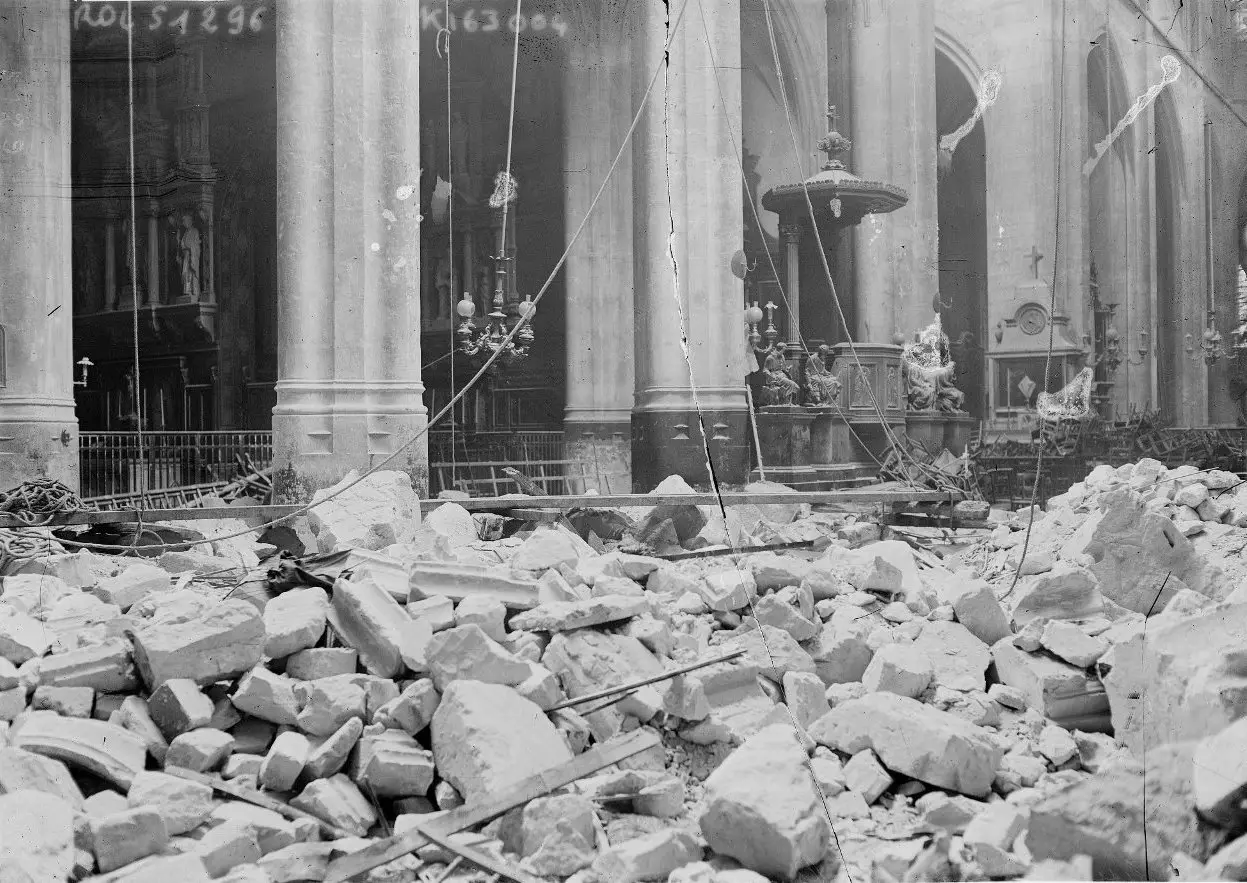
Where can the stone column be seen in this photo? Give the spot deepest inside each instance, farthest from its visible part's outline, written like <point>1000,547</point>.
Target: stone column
<point>349,391</point>
<point>690,333</point>
<point>38,429</point>
<point>894,141</point>
<point>598,111</point>
<point>790,236</point>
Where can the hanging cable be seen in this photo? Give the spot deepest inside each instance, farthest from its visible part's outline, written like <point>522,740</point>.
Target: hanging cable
<point>134,255</point>
<point>450,235</point>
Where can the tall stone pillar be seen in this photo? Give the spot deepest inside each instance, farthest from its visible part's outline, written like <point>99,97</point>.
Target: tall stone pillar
<point>598,418</point>
<point>894,141</point>
<point>689,308</point>
<point>348,391</point>
<point>38,429</point>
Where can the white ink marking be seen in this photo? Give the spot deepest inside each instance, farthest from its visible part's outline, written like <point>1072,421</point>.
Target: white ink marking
<point>989,91</point>
<point>1171,69</point>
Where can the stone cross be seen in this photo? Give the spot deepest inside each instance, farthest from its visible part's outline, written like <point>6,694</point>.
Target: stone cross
<point>1035,258</point>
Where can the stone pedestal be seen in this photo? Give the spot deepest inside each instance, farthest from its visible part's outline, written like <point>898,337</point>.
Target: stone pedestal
<point>872,393</point>
<point>927,428</point>
<point>957,431</point>
<point>832,449</point>
<point>38,429</point>
<point>348,392</point>
<point>784,434</point>
<point>689,344</point>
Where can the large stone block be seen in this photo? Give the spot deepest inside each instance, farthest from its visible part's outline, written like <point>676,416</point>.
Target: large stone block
<point>107,667</point>
<point>215,646</point>
<point>367,618</point>
<point>1131,824</point>
<point>762,808</point>
<point>916,740</point>
<point>36,837</point>
<point>294,621</point>
<point>487,737</point>
<point>588,661</point>
<point>374,513</point>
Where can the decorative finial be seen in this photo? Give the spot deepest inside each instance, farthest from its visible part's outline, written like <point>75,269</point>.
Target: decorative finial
<point>833,143</point>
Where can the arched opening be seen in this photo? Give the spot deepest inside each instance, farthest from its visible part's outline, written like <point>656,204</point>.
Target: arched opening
<point>1169,324</point>
<point>1106,224</point>
<point>962,194</point>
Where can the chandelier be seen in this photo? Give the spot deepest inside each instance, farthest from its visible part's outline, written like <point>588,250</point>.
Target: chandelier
<point>481,344</point>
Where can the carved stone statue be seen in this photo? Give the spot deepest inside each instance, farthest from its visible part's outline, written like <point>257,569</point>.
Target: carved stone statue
<point>821,386</point>
<point>932,389</point>
<point>189,257</point>
<point>778,388</point>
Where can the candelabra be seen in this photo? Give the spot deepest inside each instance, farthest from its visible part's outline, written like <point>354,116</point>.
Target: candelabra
<point>480,345</point>
<point>1144,349</point>
<point>753,315</point>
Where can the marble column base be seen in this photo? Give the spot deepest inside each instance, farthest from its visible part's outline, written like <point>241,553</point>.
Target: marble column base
<point>312,450</point>
<point>670,443</point>
<point>38,445</point>
<point>784,434</point>
<point>607,449</point>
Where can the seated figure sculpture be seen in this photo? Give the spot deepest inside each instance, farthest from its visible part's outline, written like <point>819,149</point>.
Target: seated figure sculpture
<point>778,388</point>
<point>822,388</point>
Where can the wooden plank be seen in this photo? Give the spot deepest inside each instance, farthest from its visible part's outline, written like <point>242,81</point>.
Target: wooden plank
<point>385,851</point>
<point>478,857</point>
<point>257,798</point>
<point>496,504</point>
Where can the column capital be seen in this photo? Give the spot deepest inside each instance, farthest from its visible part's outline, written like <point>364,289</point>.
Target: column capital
<point>791,232</point>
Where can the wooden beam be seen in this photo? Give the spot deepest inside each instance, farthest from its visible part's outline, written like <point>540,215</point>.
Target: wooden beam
<point>385,851</point>
<point>503,504</point>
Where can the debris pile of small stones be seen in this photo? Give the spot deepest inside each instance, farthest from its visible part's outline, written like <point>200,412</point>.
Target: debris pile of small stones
<point>889,715</point>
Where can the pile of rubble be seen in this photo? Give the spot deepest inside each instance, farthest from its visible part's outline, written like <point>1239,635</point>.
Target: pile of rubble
<point>452,704</point>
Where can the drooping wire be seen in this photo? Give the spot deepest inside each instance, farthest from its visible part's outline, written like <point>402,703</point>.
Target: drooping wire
<point>450,233</point>
<point>672,32</point>
<point>134,252</point>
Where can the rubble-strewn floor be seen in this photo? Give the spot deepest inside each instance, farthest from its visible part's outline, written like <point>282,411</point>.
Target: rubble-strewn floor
<point>893,716</point>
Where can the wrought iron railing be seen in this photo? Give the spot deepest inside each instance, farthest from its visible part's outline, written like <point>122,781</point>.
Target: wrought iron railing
<point>516,447</point>
<point>110,463</point>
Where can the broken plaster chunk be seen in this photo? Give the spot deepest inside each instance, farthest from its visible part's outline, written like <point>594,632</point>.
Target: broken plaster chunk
<point>727,589</point>
<point>466,652</point>
<point>391,764</point>
<point>914,739</point>
<point>481,610</point>
<point>65,701</point>
<point>568,615</point>
<point>330,755</point>
<point>1072,644</point>
<point>201,750</point>
<point>903,669</point>
<point>268,696</point>
<point>651,857</point>
<point>108,751</point>
<point>329,703</point>
<point>372,622</point>
<point>178,706</point>
<point>487,736</point>
<point>294,621</point>
<point>126,837</point>
<point>22,637</point>
<point>865,775</point>
<point>107,667</point>
<point>321,662</point>
<point>337,800</point>
<point>284,762</point>
<point>371,513</point>
<point>215,646</point>
<point>764,787</point>
<point>182,804</point>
